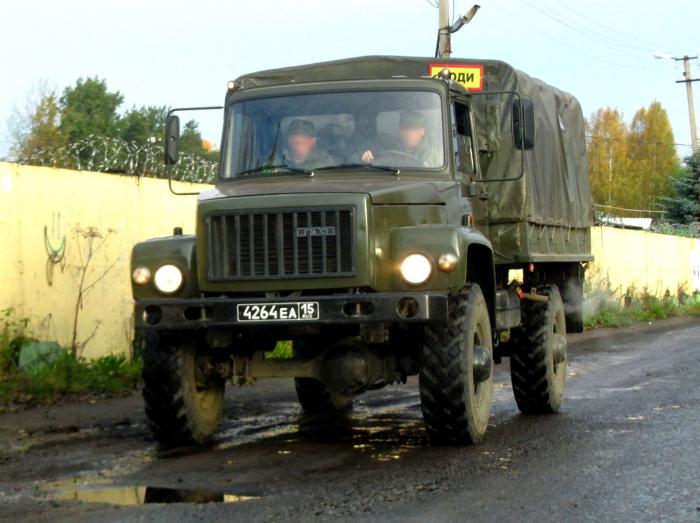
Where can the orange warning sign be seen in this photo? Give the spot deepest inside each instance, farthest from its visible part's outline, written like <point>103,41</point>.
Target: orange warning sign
<point>471,76</point>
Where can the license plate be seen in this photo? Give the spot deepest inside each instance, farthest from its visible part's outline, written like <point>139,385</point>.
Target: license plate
<point>291,311</point>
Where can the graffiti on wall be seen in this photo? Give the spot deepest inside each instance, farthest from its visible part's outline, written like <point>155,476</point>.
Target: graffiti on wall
<point>55,244</point>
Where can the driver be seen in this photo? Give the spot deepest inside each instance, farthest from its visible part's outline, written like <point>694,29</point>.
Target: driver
<point>302,147</point>
<point>412,141</point>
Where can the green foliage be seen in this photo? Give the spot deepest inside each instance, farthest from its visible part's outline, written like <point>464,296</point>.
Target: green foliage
<point>12,335</point>
<point>71,375</point>
<point>601,308</point>
<point>84,129</point>
<point>88,108</point>
<point>42,134</point>
<point>191,142</point>
<point>143,124</point>
<point>283,351</point>
<point>683,207</point>
<point>67,375</point>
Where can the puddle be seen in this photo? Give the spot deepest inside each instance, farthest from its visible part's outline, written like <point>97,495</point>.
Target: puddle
<point>102,492</point>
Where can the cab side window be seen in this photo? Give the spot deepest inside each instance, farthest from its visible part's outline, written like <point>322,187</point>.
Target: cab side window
<point>464,151</point>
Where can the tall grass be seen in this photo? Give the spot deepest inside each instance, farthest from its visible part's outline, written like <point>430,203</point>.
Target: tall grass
<point>66,375</point>
<point>603,307</point>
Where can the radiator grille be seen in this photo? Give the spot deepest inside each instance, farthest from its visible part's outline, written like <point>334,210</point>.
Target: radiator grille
<point>281,244</point>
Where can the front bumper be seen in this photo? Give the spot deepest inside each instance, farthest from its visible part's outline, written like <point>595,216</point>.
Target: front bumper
<point>202,313</point>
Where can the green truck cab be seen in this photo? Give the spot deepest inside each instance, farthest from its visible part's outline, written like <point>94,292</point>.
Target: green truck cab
<point>391,216</point>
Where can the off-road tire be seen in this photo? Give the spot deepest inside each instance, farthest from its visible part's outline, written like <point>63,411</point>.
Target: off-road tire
<point>455,407</point>
<point>538,383</point>
<point>178,412</point>
<point>314,397</point>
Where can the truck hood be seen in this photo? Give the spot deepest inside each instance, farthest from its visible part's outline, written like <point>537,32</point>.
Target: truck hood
<point>383,189</point>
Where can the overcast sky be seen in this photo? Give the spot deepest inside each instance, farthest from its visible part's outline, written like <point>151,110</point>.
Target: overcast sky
<point>182,53</point>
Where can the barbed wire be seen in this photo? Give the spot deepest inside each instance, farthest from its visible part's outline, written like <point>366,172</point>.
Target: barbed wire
<point>113,155</point>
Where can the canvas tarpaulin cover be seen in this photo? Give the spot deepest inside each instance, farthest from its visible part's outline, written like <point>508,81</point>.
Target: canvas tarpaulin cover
<point>555,189</point>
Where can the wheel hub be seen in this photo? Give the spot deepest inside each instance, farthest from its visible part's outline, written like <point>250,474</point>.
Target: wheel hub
<point>559,348</point>
<point>482,364</point>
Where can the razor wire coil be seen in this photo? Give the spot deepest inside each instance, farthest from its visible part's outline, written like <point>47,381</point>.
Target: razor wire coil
<point>117,156</point>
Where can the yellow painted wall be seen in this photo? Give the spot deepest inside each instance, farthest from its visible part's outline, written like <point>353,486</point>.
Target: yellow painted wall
<point>641,260</point>
<point>126,209</point>
<point>122,209</point>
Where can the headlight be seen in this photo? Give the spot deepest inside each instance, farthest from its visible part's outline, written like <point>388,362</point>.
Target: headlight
<point>141,275</point>
<point>168,279</point>
<point>416,268</point>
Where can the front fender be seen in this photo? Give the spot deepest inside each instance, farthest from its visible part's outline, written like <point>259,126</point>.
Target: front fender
<point>433,241</point>
<point>152,254</point>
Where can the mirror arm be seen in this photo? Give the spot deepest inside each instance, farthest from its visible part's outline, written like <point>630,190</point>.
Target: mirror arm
<point>176,193</point>
<point>170,112</point>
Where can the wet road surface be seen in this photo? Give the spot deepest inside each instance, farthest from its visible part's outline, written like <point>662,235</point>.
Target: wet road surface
<point>626,447</point>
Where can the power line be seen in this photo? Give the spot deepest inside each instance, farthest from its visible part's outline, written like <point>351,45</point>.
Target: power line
<point>567,44</point>
<point>567,22</point>
<point>610,29</point>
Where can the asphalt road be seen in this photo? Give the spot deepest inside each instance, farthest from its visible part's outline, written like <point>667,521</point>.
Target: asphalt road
<point>626,447</point>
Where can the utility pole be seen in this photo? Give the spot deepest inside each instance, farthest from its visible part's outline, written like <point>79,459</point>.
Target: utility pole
<point>689,90</point>
<point>691,105</point>
<point>444,44</point>
<point>443,49</point>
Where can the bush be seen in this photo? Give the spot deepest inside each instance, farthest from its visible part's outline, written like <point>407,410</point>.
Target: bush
<point>71,375</point>
<point>12,336</point>
<point>67,375</point>
<point>602,308</point>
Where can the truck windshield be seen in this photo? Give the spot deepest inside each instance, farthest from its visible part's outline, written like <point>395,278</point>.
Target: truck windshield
<point>346,130</point>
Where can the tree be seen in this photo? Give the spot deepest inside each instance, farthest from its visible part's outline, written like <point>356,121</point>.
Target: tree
<point>88,108</point>
<point>143,125</point>
<point>683,206</point>
<point>653,158</point>
<point>608,161</point>
<point>34,130</point>
<point>191,142</point>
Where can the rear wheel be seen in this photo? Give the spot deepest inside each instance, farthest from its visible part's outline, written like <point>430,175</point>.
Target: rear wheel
<point>183,400</point>
<point>538,360</point>
<point>456,376</point>
<point>314,397</point>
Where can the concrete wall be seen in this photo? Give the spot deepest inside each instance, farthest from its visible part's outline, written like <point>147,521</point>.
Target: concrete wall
<point>43,208</point>
<point>640,260</point>
<point>122,210</point>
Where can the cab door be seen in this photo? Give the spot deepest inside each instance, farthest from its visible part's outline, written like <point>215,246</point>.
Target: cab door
<point>468,172</point>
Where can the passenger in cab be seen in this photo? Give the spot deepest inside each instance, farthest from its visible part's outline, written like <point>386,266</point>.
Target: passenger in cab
<point>412,144</point>
<point>302,151</point>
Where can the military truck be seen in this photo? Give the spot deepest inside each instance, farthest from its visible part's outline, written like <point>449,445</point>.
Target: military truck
<point>388,216</point>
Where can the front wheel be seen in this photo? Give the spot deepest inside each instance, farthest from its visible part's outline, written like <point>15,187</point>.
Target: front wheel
<point>456,376</point>
<point>183,400</point>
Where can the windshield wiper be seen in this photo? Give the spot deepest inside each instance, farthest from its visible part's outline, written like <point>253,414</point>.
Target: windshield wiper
<point>344,166</point>
<point>270,168</point>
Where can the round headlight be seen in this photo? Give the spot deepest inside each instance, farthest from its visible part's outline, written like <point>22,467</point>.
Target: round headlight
<point>416,268</point>
<point>141,275</point>
<point>168,279</point>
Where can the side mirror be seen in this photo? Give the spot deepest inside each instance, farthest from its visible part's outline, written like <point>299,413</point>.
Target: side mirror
<point>172,139</point>
<point>524,123</point>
